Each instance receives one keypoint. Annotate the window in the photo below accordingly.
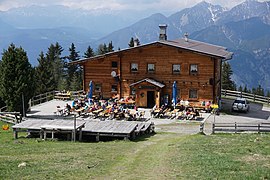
(193, 69)
(176, 68)
(114, 88)
(114, 64)
(97, 87)
(193, 94)
(134, 67)
(132, 91)
(151, 68)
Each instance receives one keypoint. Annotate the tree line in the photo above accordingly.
(20, 81)
(229, 84)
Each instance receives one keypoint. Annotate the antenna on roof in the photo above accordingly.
(186, 37)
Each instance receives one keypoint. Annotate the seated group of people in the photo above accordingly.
(182, 112)
(112, 107)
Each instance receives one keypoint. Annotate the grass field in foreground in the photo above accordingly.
(161, 156)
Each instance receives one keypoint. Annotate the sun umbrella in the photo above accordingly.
(90, 93)
(174, 94)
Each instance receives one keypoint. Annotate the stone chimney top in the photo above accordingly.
(163, 34)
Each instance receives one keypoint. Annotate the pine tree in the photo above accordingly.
(44, 75)
(2, 104)
(268, 93)
(138, 41)
(74, 70)
(226, 81)
(110, 47)
(260, 91)
(89, 52)
(17, 78)
(245, 89)
(102, 49)
(57, 63)
(131, 42)
(75, 84)
(240, 88)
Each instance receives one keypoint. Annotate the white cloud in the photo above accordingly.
(144, 5)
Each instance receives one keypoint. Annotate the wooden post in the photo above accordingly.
(80, 136)
(74, 131)
(97, 137)
(259, 128)
(213, 128)
(41, 134)
(201, 127)
(20, 118)
(52, 134)
(15, 133)
(235, 127)
(45, 134)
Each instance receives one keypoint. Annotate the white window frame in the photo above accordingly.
(176, 68)
(151, 68)
(193, 69)
(134, 66)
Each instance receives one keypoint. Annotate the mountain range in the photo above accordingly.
(243, 29)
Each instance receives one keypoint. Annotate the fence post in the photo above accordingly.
(254, 96)
(241, 95)
(225, 94)
(268, 101)
(235, 127)
(201, 127)
(259, 127)
(213, 128)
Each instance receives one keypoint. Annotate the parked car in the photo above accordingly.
(240, 104)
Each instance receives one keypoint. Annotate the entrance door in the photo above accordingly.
(151, 99)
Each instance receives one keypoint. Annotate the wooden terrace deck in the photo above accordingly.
(110, 128)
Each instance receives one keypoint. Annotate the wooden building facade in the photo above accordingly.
(147, 72)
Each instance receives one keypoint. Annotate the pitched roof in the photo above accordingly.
(191, 45)
(151, 81)
(200, 47)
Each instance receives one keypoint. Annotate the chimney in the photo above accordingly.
(162, 34)
(136, 42)
(186, 37)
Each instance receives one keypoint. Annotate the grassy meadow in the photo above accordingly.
(160, 156)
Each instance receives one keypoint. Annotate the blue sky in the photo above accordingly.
(118, 5)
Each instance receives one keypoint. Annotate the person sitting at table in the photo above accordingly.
(67, 109)
(208, 106)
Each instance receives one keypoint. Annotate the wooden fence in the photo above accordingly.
(16, 117)
(251, 97)
(11, 117)
(240, 127)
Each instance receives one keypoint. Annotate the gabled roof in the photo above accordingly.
(151, 81)
(200, 47)
(190, 45)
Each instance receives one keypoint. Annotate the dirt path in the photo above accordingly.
(156, 152)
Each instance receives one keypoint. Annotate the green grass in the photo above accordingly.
(161, 156)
